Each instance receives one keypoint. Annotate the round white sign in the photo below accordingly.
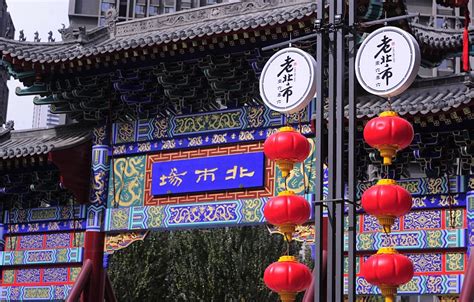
(287, 82)
(387, 61)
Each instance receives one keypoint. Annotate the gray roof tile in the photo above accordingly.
(427, 96)
(31, 142)
(183, 25)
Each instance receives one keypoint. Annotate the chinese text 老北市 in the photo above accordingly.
(384, 60)
(286, 77)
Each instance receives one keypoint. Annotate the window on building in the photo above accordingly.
(186, 4)
(140, 11)
(153, 10)
(169, 9)
(106, 6)
(122, 11)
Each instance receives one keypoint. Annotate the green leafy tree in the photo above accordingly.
(218, 265)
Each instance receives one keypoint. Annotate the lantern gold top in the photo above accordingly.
(387, 250)
(286, 193)
(388, 113)
(386, 182)
(287, 259)
(286, 129)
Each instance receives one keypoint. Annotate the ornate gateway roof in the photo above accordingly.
(162, 29)
(187, 62)
(23, 143)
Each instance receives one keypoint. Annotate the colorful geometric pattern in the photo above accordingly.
(421, 284)
(100, 166)
(470, 219)
(205, 140)
(36, 293)
(45, 214)
(225, 213)
(430, 262)
(44, 241)
(100, 173)
(54, 226)
(429, 239)
(126, 186)
(120, 241)
(267, 191)
(415, 220)
(439, 201)
(426, 186)
(45, 276)
(68, 255)
(95, 215)
(187, 125)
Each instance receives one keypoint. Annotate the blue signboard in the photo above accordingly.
(240, 171)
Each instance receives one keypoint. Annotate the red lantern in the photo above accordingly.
(287, 277)
(387, 269)
(286, 211)
(388, 133)
(286, 147)
(386, 201)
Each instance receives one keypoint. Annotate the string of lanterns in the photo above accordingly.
(387, 269)
(287, 276)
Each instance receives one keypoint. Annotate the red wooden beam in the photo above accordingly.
(74, 165)
(94, 251)
(81, 281)
(467, 290)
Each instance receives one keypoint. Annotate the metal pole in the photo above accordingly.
(351, 286)
(339, 190)
(332, 159)
(320, 144)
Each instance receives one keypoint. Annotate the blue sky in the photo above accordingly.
(31, 16)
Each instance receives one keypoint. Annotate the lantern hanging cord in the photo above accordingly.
(384, 171)
(387, 236)
(389, 100)
(300, 124)
(287, 240)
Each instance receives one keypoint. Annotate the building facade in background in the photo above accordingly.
(90, 13)
(42, 117)
(7, 30)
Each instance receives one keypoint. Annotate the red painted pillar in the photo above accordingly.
(94, 250)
